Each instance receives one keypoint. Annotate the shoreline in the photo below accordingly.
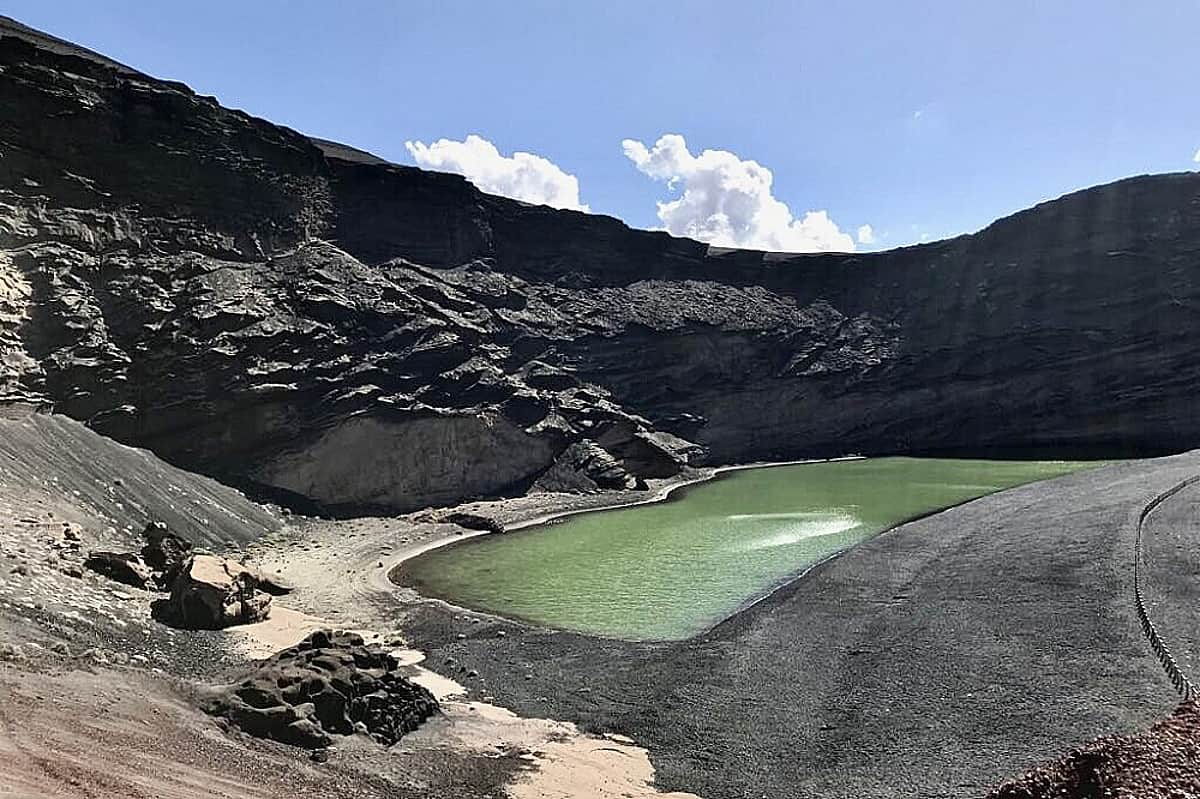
(852, 656)
(665, 493)
(662, 493)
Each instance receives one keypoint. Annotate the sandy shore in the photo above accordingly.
(559, 760)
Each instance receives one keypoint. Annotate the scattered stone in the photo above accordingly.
(61, 647)
(71, 570)
(124, 567)
(331, 683)
(21, 569)
(12, 653)
(95, 654)
(319, 755)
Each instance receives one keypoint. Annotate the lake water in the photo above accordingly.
(671, 569)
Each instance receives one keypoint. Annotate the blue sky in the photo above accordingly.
(920, 119)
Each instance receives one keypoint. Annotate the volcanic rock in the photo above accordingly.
(473, 521)
(1161, 761)
(124, 567)
(164, 551)
(331, 683)
(584, 467)
(210, 593)
(341, 333)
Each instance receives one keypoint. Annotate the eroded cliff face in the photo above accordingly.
(300, 316)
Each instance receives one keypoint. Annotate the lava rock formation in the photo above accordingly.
(336, 331)
(331, 683)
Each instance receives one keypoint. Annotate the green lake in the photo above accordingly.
(671, 569)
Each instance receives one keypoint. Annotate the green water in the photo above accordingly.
(671, 569)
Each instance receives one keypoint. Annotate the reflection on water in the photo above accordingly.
(820, 524)
(670, 569)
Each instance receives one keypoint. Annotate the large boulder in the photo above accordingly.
(331, 683)
(124, 567)
(211, 592)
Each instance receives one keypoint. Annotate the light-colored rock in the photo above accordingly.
(211, 592)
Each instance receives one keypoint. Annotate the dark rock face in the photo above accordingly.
(164, 551)
(357, 335)
(331, 683)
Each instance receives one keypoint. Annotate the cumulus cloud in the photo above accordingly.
(1196, 157)
(727, 201)
(522, 176)
(866, 234)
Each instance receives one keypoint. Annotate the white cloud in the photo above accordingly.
(866, 234)
(522, 176)
(728, 202)
(1196, 157)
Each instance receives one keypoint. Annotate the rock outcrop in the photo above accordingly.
(210, 593)
(164, 552)
(124, 567)
(331, 683)
(338, 332)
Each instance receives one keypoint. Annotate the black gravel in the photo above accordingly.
(936, 660)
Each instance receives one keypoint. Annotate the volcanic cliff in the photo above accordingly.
(297, 316)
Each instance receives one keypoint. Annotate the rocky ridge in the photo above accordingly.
(333, 331)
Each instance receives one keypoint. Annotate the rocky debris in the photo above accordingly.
(331, 683)
(156, 565)
(473, 521)
(164, 551)
(124, 567)
(210, 593)
(585, 467)
(1159, 762)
